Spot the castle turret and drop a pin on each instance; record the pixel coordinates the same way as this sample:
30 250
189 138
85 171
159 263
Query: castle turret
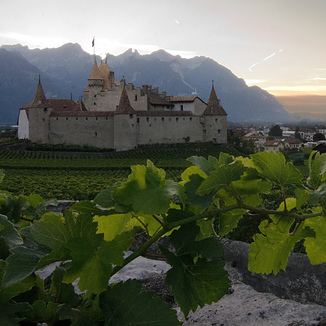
125 124
215 127
39 114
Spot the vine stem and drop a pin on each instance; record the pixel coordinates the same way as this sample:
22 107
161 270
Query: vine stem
208 215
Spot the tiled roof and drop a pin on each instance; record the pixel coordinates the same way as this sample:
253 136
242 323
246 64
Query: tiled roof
275 142
105 73
293 140
182 98
39 98
95 74
213 105
124 106
156 99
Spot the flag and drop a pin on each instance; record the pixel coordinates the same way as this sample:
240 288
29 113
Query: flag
93 42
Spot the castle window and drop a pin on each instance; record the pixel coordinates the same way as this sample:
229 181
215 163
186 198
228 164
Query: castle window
94 95
94 103
219 131
190 118
135 97
57 118
162 119
45 109
106 118
147 119
216 120
66 118
181 107
76 118
95 133
86 118
176 119
137 120
96 118
131 116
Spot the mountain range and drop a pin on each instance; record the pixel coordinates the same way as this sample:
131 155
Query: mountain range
64 72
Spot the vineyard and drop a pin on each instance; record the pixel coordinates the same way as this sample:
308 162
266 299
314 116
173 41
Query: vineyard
82 175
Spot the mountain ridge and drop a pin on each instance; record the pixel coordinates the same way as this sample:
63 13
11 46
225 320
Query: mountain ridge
65 71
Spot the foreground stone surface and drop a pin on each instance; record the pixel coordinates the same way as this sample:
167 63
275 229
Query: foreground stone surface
247 307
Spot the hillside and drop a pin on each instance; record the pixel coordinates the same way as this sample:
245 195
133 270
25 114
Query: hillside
64 72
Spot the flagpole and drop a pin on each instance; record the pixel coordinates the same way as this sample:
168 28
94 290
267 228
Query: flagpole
93 45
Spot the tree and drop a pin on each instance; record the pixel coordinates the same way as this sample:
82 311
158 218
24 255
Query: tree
297 133
89 240
318 136
275 131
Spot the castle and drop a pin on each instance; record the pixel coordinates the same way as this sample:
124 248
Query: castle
121 116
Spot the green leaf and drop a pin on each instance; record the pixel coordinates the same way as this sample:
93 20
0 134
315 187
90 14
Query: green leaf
273 166
104 199
146 190
191 188
17 288
89 208
270 250
9 313
195 279
125 304
221 178
21 264
316 246
206 165
92 263
63 293
113 225
9 233
50 231
317 169
229 220
193 170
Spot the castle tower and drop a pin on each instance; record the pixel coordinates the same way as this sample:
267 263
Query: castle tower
125 124
39 117
93 89
215 127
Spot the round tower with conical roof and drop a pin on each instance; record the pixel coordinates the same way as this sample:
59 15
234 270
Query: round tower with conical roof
39 117
215 126
125 124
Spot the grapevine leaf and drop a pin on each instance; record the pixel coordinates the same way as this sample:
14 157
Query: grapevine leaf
317 168
185 176
89 208
9 233
301 196
104 199
273 166
270 250
50 231
113 225
9 313
195 280
316 246
221 178
64 293
206 165
206 229
191 188
21 263
146 190
93 264
229 220
125 304
17 288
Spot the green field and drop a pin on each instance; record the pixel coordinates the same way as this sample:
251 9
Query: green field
82 175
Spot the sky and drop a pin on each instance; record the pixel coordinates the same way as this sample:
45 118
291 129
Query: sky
278 45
